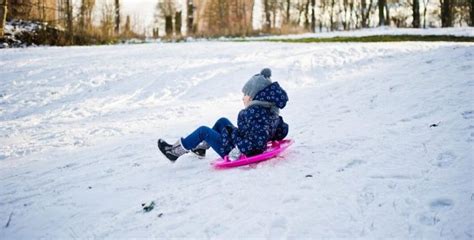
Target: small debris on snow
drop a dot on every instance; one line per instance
(309, 175)
(160, 215)
(9, 220)
(434, 125)
(149, 207)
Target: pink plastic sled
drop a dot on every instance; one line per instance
(273, 149)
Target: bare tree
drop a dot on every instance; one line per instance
(127, 29)
(351, 7)
(306, 14)
(288, 8)
(70, 33)
(323, 8)
(381, 5)
(117, 17)
(313, 16)
(471, 13)
(3, 16)
(446, 13)
(85, 15)
(177, 23)
(462, 9)
(107, 22)
(300, 8)
(416, 13)
(425, 9)
(365, 13)
(166, 9)
(156, 20)
(346, 4)
(267, 23)
(331, 16)
(190, 17)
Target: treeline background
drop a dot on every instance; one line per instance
(103, 21)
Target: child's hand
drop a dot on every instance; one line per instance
(234, 154)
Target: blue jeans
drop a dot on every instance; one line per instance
(211, 135)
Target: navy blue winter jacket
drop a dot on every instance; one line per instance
(257, 124)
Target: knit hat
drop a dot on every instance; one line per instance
(257, 83)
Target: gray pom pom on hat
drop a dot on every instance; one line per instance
(257, 83)
(266, 72)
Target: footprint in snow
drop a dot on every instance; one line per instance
(441, 204)
(366, 197)
(468, 115)
(428, 219)
(352, 164)
(444, 160)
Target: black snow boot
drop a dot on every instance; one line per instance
(200, 150)
(172, 152)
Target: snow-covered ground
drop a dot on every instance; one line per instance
(454, 31)
(384, 142)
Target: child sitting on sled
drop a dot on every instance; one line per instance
(258, 123)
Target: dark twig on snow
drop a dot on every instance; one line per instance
(9, 220)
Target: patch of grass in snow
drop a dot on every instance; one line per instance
(381, 38)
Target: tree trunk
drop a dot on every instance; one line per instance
(82, 17)
(288, 5)
(268, 20)
(70, 34)
(169, 25)
(306, 15)
(3, 16)
(446, 13)
(381, 5)
(351, 9)
(127, 28)
(177, 23)
(331, 17)
(274, 15)
(363, 20)
(365, 13)
(471, 12)
(117, 17)
(345, 18)
(190, 19)
(313, 16)
(416, 13)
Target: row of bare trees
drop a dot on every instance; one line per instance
(80, 26)
(235, 17)
(84, 21)
(230, 17)
(353, 14)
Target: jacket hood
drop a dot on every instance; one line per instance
(273, 94)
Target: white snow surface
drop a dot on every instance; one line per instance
(78, 131)
(453, 31)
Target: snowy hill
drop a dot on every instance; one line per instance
(381, 31)
(384, 142)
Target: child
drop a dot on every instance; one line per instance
(258, 123)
